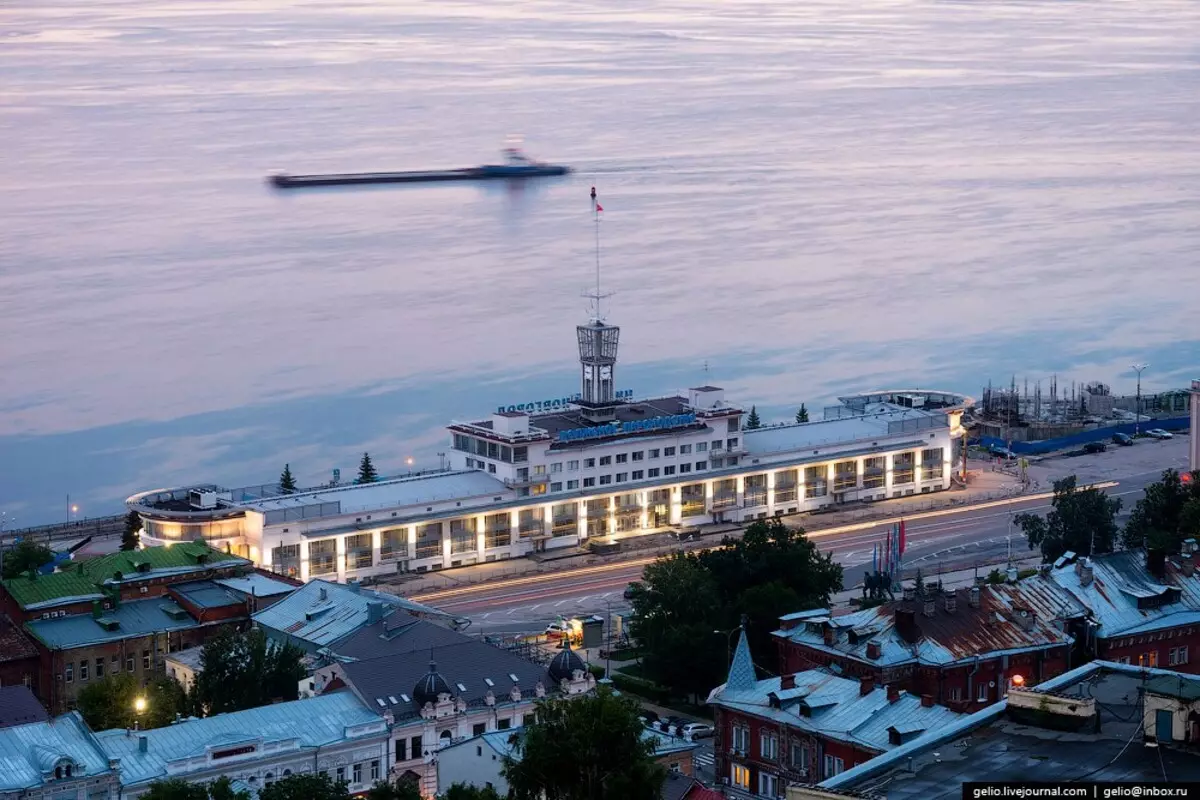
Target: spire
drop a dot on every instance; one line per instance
(597, 296)
(742, 676)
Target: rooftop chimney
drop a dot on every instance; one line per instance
(906, 625)
(322, 594)
(930, 607)
(1085, 571)
(787, 681)
(830, 635)
(866, 686)
(973, 597)
(874, 649)
(927, 700)
(908, 592)
(374, 612)
(1024, 618)
(950, 601)
(893, 692)
(1156, 562)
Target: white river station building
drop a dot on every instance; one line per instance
(597, 466)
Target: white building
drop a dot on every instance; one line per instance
(560, 472)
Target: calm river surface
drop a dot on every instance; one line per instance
(812, 198)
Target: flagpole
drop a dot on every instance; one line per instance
(596, 214)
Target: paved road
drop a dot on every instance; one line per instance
(951, 539)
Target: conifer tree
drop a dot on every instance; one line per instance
(366, 470)
(802, 414)
(753, 421)
(287, 484)
(130, 537)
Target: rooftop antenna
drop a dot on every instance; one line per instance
(597, 296)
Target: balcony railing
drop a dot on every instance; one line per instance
(755, 498)
(497, 538)
(531, 480)
(565, 526)
(724, 500)
(786, 495)
(429, 549)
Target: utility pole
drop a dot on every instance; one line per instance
(1137, 419)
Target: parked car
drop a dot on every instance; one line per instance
(649, 718)
(697, 730)
(558, 629)
(1003, 452)
(1159, 433)
(1095, 447)
(1123, 439)
(628, 593)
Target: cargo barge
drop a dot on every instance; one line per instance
(516, 167)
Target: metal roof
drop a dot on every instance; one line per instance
(257, 584)
(834, 707)
(19, 706)
(30, 752)
(320, 614)
(303, 724)
(1183, 687)
(206, 594)
(133, 618)
(881, 423)
(1119, 580)
(949, 637)
(81, 580)
(396, 633)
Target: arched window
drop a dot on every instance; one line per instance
(68, 770)
(287, 772)
(58, 773)
(446, 736)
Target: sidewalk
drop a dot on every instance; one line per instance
(983, 485)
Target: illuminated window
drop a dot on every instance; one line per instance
(740, 776)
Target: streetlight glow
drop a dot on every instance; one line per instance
(139, 704)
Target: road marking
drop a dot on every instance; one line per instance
(531, 608)
(559, 603)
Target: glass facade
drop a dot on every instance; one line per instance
(903, 465)
(497, 530)
(322, 557)
(429, 540)
(462, 536)
(816, 481)
(932, 463)
(754, 490)
(874, 472)
(566, 519)
(845, 476)
(393, 544)
(358, 551)
(691, 499)
(785, 486)
(724, 494)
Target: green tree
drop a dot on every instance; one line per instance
(108, 702)
(1168, 513)
(366, 470)
(287, 484)
(306, 786)
(584, 748)
(753, 421)
(179, 789)
(802, 414)
(25, 556)
(402, 789)
(131, 536)
(1077, 518)
(465, 791)
(246, 670)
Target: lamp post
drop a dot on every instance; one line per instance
(1137, 417)
(729, 643)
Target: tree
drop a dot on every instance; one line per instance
(287, 484)
(1077, 519)
(366, 470)
(1168, 513)
(402, 789)
(131, 536)
(108, 702)
(753, 421)
(246, 670)
(802, 414)
(584, 748)
(305, 786)
(465, 791)
(179, 789)
(27, 555)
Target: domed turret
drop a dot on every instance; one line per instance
(562, 666)
(430, 686)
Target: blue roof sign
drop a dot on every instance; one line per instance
(635, 426)
(558, 402)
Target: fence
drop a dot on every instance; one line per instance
(1083, 437)
(93, 526)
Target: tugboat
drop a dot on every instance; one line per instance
(516, 165)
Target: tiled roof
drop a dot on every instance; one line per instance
(469, 663)
(18, 706)
(834, 707)
(128, 619)
(320, 614)
(14, 645)
(81, 580)
(29, 752)
(1121, 582)
(948, 637)
(310, 723)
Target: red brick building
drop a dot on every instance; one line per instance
(963, 648)
(18, 657)
(1145, 606)
(806, 727)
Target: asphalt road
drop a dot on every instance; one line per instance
(952, 539)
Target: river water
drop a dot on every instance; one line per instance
(801, 200)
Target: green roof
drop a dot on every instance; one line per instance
(82, 580)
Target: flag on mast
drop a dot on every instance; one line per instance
(875, 558)
(903, 538)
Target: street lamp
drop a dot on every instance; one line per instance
(1137, 418)
(729, 642)
(139, 707)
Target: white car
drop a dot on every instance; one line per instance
(559, 628)
(1159, 433)
(697, 730)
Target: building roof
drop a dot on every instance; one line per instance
(299, 725)
(508, 743)
(29, 753)
(190, 658)
(466, 666)
(947, 637)
(81, 580)
(320, 614)
(257, 585)
(395, 633)
(19, 706)
(128, 619)
(1181, 687)
(828, 705)
(989, 746)
(677, 786)
(206, 594)
(397, 493)
(14, 645)
(882, 421)
(1125, 598)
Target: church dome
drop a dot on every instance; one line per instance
(563, 665)
(430, 686)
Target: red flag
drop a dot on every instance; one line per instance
(599, 207)
(902, 537)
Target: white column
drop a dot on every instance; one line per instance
(581, 515)
(829, 478)
(412, 541)
(771, 492)
(446, 554)
(612, 515)
(889, 464)
(339, 558)
(676, 505)
(645, 498)
(480, 535)
(304, 572)
(376, 546)
(917, 467)
(800, 486)
(514, 526)
(548, 519)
